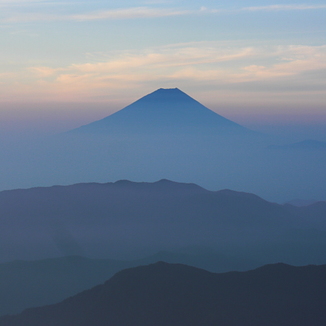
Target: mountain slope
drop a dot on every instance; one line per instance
(164, 111)
(27, 284)
(179, 295)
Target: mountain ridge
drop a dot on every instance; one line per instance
(127, 220)
(179, 295)
(49, 281)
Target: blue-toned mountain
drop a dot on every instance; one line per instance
(135, 219)
(164, 111)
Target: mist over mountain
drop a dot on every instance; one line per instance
(128, 220)
(165, 294)
(167, 134)
(164, 135)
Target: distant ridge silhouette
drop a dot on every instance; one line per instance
(178, 295)
(49, 281)
(164, 111)
(137, 219)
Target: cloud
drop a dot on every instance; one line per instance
(202, 65)
(137, 12)
(43, 71)
(210, 62)
(17, 3)
(113, 14)
(7, 76)
(291, 60)
(150, 9)
(284, 7)
(128, 13)
(9, 2)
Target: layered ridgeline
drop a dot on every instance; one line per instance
(179, 295)
(168, 134)
(166, 112)
(26, 284)
(129, 220)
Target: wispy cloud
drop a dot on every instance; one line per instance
(170, 57)
(294, 74)
(179, 63)
(9, 2)
(284, 7)
(151, 9)
(191, 64)
(113, 14)
(17, 3)
(39, 2)
(128, 13)
(43, 72)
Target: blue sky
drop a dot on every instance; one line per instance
(65, 63)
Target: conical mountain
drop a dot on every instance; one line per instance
(164, 111)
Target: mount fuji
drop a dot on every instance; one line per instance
(169, 135)
(165, 111)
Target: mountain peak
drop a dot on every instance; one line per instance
(164, 111)
(174, 90)
(168, 89)
(165, 94)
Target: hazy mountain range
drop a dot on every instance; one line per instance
(60, 240)
(168, 134)
(215, 230)
(129, 220)
(179, 295)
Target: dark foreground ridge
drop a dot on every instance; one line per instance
(179, 295)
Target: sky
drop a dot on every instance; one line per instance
(67, 63)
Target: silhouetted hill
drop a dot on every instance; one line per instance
(27, 284)
(165, 111)
(129, 220)
(179, 295)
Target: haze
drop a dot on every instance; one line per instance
(64, 64)
(137, 132)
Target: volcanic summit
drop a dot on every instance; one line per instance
(164, 111)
